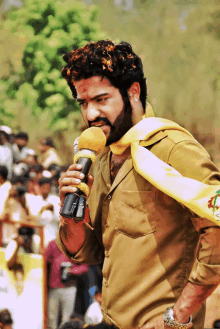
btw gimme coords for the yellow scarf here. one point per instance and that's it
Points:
(191, 193)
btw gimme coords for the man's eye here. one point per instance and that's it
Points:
(82, 104)
(101, 99)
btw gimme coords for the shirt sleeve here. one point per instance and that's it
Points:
(10, 250)
(90, 253)
(193, 161)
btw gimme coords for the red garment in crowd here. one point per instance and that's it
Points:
(56, 258)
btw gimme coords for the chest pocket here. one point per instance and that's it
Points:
(135, 213)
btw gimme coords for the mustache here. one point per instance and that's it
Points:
(100, 119)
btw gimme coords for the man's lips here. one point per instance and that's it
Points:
(98, 124)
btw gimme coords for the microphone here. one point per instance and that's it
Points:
(90, 143)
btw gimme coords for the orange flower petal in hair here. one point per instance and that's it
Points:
(107, 63)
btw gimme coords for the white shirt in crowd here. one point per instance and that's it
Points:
(12, 246)
(6, 158)
(93, 314)
(50, 219)
(4, 193)
(21, 154)
(8, 229)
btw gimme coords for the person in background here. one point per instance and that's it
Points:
(35, 173)
(6, 321)
(5, 187)
(23, 167)
(62, 284)
(216, 324)
(20, 149)
(55, 171)
(6, 154)
(25, 241)
(93, 314)
(21, 205)
(48, 152)
(73, 324)
(49, 213)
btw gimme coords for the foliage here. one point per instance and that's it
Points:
(180, 56)
(51, 28)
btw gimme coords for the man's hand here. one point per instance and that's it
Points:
(20, 240)
(47, 207)
(72, 234)
(72, 176)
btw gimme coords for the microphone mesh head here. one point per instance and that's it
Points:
(92, 139)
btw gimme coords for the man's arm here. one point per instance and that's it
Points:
(11, 251)
(191, 298)
(72, 234)
(192, 160)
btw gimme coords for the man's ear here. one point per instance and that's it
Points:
(134, 91)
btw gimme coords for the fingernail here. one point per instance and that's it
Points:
(77, 181)
(81, 175)
(73, 189)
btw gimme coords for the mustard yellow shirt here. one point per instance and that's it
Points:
(150, 244)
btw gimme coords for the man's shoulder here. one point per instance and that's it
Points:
(177, 136)
(165, 141)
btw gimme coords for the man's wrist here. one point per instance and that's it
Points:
(173, 322)
(180, 315)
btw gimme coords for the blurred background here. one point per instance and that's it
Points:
(178, 41)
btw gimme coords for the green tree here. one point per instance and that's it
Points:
(51, 28)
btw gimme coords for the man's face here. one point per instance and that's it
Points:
(45, 190)
(3, 138)
(102, 106)
(42, 147)
(21, 143)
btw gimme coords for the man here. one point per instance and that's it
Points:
(49, 213)
(6, 321)
(20, 149)
(6, 154)
(5, 187)
(48, 153)
(62, 284)
(161, 260)
(24, 242)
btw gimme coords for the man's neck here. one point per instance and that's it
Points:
(116, 162)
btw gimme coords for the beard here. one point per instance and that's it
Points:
(120, 126)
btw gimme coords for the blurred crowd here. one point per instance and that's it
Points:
(28, 200)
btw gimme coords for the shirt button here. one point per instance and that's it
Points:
(106, 284)
(109, 197)
(106, 254)
(106, 225)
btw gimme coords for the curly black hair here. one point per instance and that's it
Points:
(117, 62)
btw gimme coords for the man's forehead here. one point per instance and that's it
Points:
(93, 84)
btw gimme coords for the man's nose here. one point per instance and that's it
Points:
(92, 112)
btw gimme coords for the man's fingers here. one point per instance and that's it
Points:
(69, 181)
(90, 181)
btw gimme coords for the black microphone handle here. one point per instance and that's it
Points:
(71, 201)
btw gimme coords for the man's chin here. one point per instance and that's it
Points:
(112, 140)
